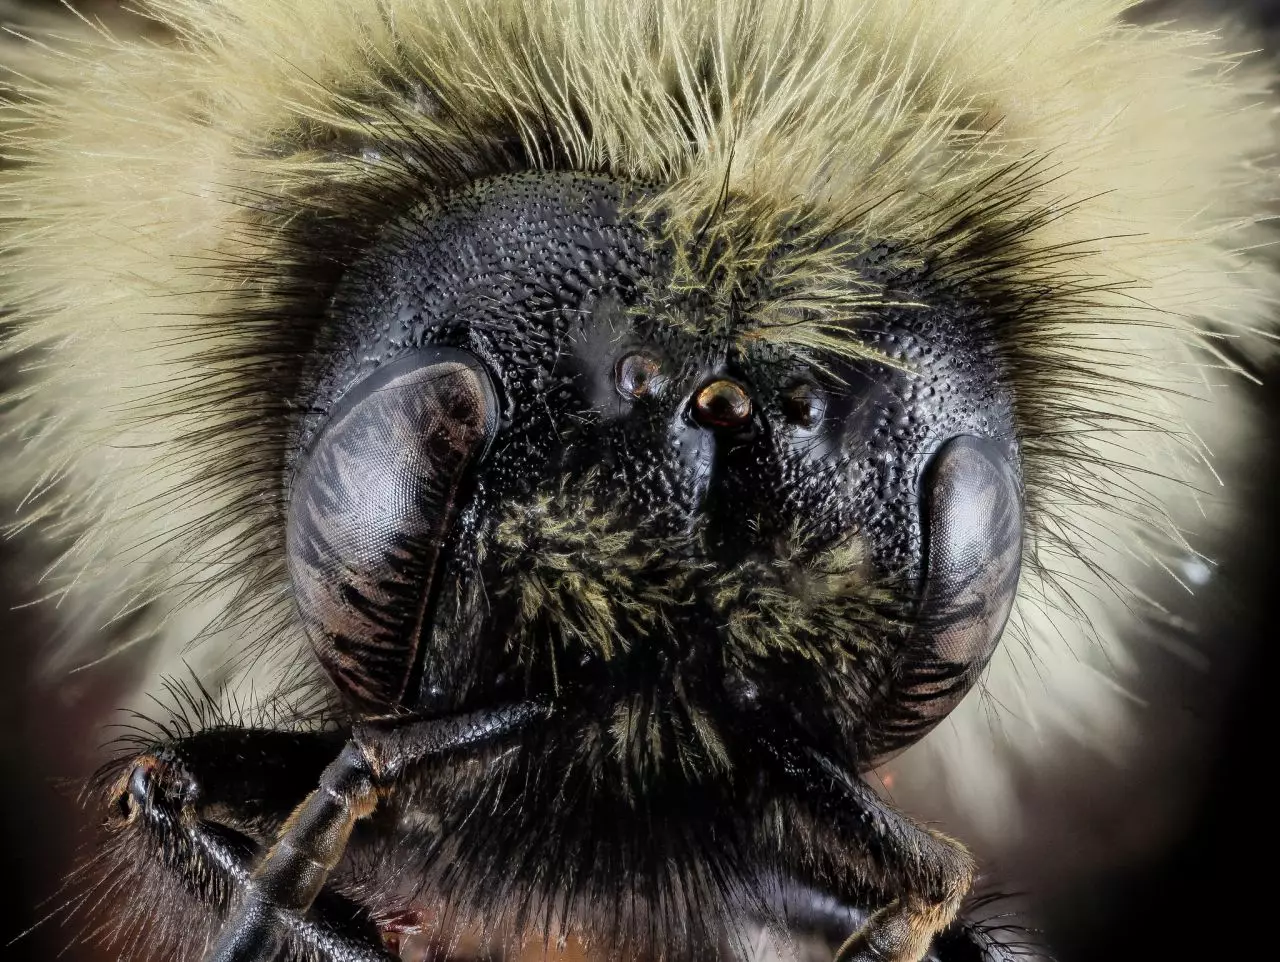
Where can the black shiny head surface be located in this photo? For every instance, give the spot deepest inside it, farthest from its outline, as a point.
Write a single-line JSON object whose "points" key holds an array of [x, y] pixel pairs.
{"points": [[672, 509]]}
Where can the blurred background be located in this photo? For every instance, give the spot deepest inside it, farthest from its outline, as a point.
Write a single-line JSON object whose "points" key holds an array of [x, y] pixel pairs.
{"points": [[1152, 861]]}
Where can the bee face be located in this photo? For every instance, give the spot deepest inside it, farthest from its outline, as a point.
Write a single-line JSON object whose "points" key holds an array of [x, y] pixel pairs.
{"points": [[639, 409], [534, 464]]}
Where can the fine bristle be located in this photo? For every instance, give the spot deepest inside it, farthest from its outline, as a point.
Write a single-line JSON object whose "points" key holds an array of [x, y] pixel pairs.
{"points": [[168, 201]]}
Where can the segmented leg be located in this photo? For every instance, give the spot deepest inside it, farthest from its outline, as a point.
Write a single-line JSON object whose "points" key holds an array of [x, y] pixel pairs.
{"points": [[171, 793], [988, 929], [315, 836], [926, 873], [286, 905]]}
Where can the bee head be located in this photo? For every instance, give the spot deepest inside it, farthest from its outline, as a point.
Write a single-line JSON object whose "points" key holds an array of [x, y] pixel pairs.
{"points": [[750, 407], [557, 444]]}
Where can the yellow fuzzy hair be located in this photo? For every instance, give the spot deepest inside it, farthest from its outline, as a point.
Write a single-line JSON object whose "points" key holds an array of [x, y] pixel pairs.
{"points": [[1129, 167]]}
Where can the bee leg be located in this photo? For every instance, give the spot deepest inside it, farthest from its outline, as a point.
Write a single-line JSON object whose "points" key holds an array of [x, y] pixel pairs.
{"points": [[167, 795], [927, 873], [902, 931], [989, 928], [314, 837], [932, 873]]}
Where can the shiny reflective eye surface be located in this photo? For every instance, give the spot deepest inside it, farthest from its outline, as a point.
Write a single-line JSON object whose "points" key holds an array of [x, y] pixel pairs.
{"points": [[972, 511], [369, 511], [722, 404], [803, 405], [639, 375]]}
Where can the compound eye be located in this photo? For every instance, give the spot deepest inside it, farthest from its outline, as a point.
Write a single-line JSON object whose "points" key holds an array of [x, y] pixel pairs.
{"points": [[372, 504], [639, 375], [972, 513], [803, 405]]}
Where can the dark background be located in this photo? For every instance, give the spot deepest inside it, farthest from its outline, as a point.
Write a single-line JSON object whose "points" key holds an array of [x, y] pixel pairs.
{"points": [[1161, 859]]}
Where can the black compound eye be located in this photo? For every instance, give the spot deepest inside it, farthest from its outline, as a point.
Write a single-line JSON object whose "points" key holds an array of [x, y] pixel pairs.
{"points": [[370, 508], [803, 405], [639, 375], [971, 501]]}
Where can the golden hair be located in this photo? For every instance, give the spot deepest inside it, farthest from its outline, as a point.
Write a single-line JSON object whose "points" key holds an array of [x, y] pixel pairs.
{"points": [[1102, 186]]}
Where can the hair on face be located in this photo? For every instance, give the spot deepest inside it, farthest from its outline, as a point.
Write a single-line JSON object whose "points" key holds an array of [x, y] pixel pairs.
{"points": [[169, 200]]}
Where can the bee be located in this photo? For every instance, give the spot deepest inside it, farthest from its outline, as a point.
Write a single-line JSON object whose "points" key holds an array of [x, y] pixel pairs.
{"points": [[585, 440]]}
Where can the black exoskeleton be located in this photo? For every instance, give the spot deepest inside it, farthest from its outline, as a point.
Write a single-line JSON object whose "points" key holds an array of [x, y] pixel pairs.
{"points": [[622, 590]]}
